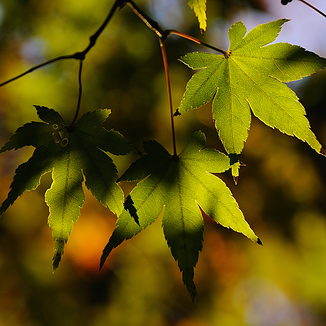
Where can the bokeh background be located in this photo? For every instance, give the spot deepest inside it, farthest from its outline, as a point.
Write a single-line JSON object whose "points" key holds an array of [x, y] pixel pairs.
{"points": [[281, 190]]}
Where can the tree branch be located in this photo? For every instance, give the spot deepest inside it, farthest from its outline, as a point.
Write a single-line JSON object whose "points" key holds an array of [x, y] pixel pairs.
{"points": [[78, 55], [150, 23]]}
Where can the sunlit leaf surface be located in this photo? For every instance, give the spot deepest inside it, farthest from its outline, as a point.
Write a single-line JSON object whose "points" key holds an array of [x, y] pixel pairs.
{"points": [[249, 78], [182, 186]]}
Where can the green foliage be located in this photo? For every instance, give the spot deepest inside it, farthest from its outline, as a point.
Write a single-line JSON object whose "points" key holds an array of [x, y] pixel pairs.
{"points": [[199, 7], [69, 152], [248, 77], [182, 188]]}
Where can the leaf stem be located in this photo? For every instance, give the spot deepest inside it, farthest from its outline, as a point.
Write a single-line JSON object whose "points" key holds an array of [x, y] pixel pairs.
{"points": [[193, 39], [79, 92], [168, 84], [162, 36]]}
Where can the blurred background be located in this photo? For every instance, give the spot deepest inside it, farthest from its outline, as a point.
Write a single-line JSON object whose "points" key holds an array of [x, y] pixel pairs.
{"points": [[281, 190]]}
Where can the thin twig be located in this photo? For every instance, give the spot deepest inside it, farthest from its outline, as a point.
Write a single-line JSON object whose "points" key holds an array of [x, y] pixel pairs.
{"points": [[72, 56], [92, 40], [312, 7], [78, 55], [150, 23], [163, 34]]}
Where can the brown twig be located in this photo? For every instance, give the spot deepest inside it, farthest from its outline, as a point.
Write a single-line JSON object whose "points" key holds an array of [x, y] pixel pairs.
{"points": [[312, 7], [193, 39]]}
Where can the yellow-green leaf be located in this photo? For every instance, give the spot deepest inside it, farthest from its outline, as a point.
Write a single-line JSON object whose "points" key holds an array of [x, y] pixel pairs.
{"points": [[182, 187], [250, 77]]}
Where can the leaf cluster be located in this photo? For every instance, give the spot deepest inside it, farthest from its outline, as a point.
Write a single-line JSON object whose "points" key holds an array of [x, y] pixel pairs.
{"points": [[248, 78]]}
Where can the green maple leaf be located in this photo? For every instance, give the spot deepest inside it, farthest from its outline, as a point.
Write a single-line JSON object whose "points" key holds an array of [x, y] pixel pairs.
{"points": [[249, 77], [199, 7], [179, 187], [70, 153]]}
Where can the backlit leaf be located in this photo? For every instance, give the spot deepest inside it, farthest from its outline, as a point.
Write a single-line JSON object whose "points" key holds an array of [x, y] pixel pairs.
{"points": [[70, 153], [249, 78], [181, 187]]}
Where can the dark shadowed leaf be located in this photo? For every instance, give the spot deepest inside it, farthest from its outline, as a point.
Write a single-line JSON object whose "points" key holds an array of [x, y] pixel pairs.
{"points": [[70, 153]]}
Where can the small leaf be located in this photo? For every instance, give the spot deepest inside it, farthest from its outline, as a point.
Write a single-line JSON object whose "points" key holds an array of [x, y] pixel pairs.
{"points": [[249, 77], [179, 187], [199, 7]]}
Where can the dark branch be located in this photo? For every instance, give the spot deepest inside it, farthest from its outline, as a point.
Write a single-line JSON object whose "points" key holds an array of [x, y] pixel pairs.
{"points": [[285, 2], [72, 56], [150, 23], [78, 55]]}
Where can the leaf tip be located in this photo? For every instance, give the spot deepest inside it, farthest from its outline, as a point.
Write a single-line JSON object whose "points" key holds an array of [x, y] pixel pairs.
{"points": [[193, 297], [322, 151], [106, 251], [192, 291], [188, 280], [56, 261], [58, 252], [259, 242], [101, 263]]}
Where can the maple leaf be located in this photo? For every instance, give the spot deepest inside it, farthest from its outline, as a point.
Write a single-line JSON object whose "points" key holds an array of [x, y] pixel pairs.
{"points": [[70, 152], [180, 187], [249, 77], [199, 8]]}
